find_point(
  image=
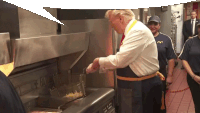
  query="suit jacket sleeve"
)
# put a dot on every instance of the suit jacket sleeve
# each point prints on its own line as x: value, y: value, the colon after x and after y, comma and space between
x: 186, y: 35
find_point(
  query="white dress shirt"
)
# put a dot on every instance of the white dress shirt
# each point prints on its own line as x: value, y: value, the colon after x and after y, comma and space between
x: 193, y: 26
x: 139, y: 51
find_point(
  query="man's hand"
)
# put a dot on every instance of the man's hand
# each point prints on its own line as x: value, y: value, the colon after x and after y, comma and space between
x: 169, y: 79
x: 196, y: 78
x: 90, y: 69
x: 93, y: 66
x: 96, y: 63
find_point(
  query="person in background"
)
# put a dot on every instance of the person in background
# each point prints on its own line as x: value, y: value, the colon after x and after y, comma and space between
x: 190, y: 56
x: 139, y: 87
x: 165, y: 53
x: 190, y: 28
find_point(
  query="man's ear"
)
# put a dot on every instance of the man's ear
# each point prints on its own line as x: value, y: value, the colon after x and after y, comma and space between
x: 159, y: 26
x: 110, y: 14
x: 121, y: 19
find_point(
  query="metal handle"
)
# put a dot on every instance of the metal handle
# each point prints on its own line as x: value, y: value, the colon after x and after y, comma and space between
x: 59, y: 110
x: 83, y: 88
x: 82, y: 81
x: 84, y: 70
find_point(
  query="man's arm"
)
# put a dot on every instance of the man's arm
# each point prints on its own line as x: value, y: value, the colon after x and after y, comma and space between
x: 171, y: 55
x: 171, y: 64
x: 188, y: 68
x: 133, y: 45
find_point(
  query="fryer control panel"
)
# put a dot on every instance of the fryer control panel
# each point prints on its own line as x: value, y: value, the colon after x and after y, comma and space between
x: 108, y: 108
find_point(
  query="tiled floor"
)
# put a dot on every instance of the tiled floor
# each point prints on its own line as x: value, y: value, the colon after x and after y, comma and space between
x: 179, y: 102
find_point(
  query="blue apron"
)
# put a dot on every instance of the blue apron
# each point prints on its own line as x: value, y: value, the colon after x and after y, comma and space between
x: 129, y: 93
x: 133, y: 96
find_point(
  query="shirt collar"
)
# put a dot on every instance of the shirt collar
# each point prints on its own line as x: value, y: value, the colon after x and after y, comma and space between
x: 193, y: 19
x: 158, y: 34
x: 127, y: 27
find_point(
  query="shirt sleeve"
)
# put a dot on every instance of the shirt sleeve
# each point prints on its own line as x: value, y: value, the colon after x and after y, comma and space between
x: 170, y: 50
x: 185, y: 51
x: 132, y: 46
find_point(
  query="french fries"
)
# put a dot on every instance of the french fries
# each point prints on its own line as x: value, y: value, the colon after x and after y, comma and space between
x: 74, y: 95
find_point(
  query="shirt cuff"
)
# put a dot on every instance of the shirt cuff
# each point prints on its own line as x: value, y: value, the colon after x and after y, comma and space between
x: 101, y: 63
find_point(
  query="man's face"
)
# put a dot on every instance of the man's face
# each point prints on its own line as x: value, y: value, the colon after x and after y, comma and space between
x: 193, y: 15
x: 115, y: 22
x: 154, y: 27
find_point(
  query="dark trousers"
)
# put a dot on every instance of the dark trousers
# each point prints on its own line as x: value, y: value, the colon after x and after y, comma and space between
x: 163, y: 71
x: 151, y: 96
x: 195, y: 90
x: 147, y: 100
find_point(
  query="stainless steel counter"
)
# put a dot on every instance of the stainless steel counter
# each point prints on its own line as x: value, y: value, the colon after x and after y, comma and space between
x: 98, y: 101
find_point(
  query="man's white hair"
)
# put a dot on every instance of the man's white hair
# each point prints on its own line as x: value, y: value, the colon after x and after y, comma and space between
x: 127, y: 13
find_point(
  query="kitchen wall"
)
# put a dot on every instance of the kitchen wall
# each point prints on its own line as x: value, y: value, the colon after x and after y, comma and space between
x: 179, y: 22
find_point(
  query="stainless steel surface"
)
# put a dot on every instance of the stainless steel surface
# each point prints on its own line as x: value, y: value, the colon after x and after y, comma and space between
x: 82, y: 76
x: 33, y: 66
x: 44, y: 110
x: 81, y: 55
x: 5, y: 56
x: 30, y: 84
x: 33, y: 25
x: 80, y: 14
x: 52, y: 11
x: 173, y: 30
x: 142, y: 15
x: 116, y: 43
x: 64, y: 90
x: 50, y: 102
x: 100, y: 46
x: 21, y: 23
x: 92, y: 102
x: 32, y: 50
x: 9, y: 19
x: 137, y: 13
x: 83, y: 81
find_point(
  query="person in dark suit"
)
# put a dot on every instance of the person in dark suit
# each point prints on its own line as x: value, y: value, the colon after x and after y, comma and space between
x: 190, y: 26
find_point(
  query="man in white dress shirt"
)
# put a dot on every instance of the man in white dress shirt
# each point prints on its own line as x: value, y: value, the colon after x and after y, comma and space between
x: 139, y: 87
